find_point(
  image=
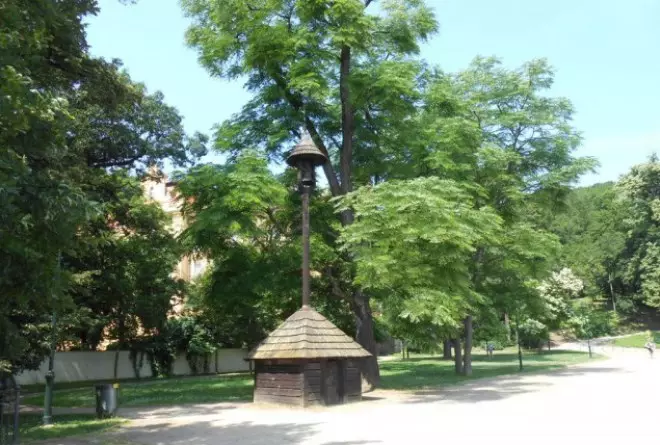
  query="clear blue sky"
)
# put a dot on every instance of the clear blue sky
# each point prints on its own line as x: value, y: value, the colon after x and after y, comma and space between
x: 605, y: 53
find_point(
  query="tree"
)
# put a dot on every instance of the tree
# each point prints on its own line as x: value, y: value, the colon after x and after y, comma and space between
x: 333, y: 68
x: 524, y: 167
x: 593, y: 234
x: 68, y: 122
x: 588, y: 322
x: 557, y: 292
x: 42, y: 204
x: 642, y: 250
x: 246, y: 221
x: 412, y: 241
x: 123, y: 266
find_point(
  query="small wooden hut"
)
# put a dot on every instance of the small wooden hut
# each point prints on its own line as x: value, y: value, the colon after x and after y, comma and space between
x: 307, y: 361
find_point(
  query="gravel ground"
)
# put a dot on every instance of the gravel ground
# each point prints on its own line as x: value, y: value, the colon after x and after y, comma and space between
x: 606, y: 401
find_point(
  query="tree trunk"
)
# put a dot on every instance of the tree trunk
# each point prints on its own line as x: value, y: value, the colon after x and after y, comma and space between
x: 520, y: 357
x: 347, y: 121
x: 467, y: 367
x: 507, y: 323
x: 609, y: 281
x: 364, y: 324
x: 446, y: 350
x: 589, y: 346
x: 458, y: 356
x: 403, y: 349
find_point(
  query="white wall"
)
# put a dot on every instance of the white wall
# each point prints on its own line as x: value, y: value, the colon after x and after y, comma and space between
x: 78, y: 366
x: 226, y: 360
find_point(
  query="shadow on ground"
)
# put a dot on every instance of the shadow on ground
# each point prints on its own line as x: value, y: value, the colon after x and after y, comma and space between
x: 216, y: 433
x: 168, y: 412
x: 499, y: 388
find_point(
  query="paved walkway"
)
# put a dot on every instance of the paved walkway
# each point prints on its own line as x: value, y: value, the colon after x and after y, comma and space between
x: 605, y: 402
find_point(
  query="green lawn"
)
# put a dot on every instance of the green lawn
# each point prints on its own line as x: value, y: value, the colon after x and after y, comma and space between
x: 175, y: 391
x: 416, y: 373
x: 428, y: 372
x: 636, y: 341
x: 32, y: 429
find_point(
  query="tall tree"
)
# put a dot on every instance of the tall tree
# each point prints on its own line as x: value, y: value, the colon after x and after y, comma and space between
x: 122, y: 266
x: 412, y: 241
x: 68, y: 122
x: 340, y: 70
x: 642, y: 251
x: 593, y: 233
x: 42, y: 54
x: 525, y: 165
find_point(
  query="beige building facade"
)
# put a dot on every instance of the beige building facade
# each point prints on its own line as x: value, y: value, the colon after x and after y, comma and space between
x: 158, y: 188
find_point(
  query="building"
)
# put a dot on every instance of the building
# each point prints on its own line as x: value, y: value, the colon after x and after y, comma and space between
x: 158, y: 188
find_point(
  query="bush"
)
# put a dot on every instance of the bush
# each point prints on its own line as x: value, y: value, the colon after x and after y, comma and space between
x: 497, y: 344
x: 588, y: 321
x: 493, y: 331
x: 533, y: 334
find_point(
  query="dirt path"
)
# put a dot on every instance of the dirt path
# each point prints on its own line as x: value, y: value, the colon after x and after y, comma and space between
x: 604, y: 402
x: 601, y: 402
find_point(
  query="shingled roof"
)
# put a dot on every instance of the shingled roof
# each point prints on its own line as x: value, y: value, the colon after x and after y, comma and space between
x: 307, y: 335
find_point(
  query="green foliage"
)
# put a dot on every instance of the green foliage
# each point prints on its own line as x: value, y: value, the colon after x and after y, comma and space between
x: 533, y: 333
x: 412, y: 240
x: 535, y: 131
x: 490, y: 328
x: 74, y: 130
x: 474, y: 152
x: 609, y: 233
x: 290, y: 53
x: 41, y: 203
x: 589, y: 322
x: 642, y: 250
x: 122, y: 269
x: 187, y: 334
x: 593, y: 235
x: 557, y: 292
x: 247, y: 222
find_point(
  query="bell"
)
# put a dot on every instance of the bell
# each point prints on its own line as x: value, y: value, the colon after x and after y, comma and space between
x: 307, y: 177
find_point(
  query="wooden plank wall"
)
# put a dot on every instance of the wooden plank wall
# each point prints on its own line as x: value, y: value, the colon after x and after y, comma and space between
x: 279, y: 383
x: 313, y: 376
x: 353, y: 385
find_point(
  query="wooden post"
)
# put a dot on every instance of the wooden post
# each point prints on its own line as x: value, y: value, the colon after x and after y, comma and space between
x: 305, y: 235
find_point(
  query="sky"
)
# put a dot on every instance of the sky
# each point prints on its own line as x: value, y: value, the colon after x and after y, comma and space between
x: 605, y: 53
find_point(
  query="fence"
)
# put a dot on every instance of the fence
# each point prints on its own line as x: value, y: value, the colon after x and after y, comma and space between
x: 9, y: 410
x: 76, y: 366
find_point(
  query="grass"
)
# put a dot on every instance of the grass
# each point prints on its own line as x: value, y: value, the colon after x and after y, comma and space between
x: 637, y: 340
x: 31, y: 428
x: 416, y: 373
x: 429, y: 372
x: 175, y: 391
x: 39, y: 388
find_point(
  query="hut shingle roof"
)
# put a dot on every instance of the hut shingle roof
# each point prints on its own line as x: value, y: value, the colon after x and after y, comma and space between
x: 306, y: 335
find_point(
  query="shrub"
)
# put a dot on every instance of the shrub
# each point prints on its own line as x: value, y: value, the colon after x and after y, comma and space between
x: 533, y: 333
